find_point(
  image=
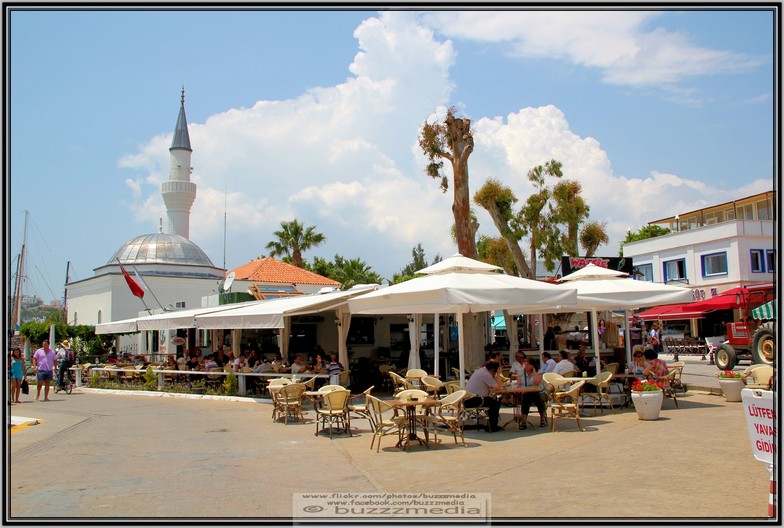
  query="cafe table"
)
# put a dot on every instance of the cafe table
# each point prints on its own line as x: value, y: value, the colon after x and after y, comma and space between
x: 517, y: 396
x: 628, y: 380
x: 410, y: 407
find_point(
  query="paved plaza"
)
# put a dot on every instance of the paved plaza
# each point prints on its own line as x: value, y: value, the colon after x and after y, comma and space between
x: 101, y: 455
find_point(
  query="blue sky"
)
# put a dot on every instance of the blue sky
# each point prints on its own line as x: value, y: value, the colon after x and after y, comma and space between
x: 314, y: 115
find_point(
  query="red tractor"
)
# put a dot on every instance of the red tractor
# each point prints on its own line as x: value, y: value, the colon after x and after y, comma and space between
x: 748, y: 340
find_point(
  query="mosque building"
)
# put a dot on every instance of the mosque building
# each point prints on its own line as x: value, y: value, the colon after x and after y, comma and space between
x: 173, y: 270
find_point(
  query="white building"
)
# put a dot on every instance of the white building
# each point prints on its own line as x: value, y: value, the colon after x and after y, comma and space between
x: 713, y: 249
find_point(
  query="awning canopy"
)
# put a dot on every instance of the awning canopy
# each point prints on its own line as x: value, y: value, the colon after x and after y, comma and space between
x: 270, y: 314
x: 766, y: 311
x: 729, y: 300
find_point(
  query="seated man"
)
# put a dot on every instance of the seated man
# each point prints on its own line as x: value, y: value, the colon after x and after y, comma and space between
x: 581, y: 360
x: 548, y: 363
x: 518, y: 366
x: 531, y: 378
x: 564, y: 365
x: 482, y: 381
x: 298, y: 366
x: 262, y: 366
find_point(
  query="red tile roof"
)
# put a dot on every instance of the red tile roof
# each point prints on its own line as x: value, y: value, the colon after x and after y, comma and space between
x: 270, y: 270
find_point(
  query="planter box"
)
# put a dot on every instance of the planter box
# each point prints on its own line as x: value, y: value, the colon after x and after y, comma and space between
x: 731, y: 388
x: 647, y: 404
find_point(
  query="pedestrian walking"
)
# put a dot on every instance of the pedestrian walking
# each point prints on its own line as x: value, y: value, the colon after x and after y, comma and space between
x: 17, y: 374
x: 44, y: 363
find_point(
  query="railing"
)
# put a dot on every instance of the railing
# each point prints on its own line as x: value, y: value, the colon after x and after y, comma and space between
x: 242, y: 377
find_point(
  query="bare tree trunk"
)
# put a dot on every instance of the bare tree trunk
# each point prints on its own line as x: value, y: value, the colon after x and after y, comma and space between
x: 532, y: 272
x: 511, y: 243
x: 461, y: 142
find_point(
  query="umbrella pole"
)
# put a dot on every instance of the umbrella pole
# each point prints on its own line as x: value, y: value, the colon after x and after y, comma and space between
x: 436, y: 343
x: 595, y: 339
x: 460, y: 348
x: 627, y: 337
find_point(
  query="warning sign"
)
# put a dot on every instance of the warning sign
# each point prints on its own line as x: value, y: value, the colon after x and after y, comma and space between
x: 760, y: 419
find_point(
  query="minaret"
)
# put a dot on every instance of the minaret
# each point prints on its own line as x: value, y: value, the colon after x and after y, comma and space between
x: 179, y: 192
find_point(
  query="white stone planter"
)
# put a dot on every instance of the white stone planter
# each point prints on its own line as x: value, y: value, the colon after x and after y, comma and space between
x: 647, y: 404
x: 731, y: 388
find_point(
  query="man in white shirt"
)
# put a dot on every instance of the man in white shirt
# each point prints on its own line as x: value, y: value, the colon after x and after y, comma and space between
x: 564, y: 365
x: 298, y: 365
x: 483, y: 381
x: 517, y: 369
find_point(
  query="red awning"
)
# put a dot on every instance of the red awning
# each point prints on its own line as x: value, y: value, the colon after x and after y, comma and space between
x: 672, y: 312
x: 728, y: 300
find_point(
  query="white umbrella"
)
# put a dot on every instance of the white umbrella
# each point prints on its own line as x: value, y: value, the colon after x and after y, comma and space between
x: 462, y: 292
x: 602, y: 288
x: 458, y: 262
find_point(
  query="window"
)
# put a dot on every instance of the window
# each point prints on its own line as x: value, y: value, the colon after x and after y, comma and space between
x: 361, y: 331
x: 644, y: 272
x: 100, y: 313
x: 714, y: 264
x: 675, y: 270
x: 746, y: 212
x: 771, y: 254
x: 730, y: 214
x: 763, y: 210
x: 757, y: 264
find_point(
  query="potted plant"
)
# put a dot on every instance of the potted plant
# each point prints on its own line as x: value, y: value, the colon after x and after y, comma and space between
x: 647, y: 397
x: 199, y: 386
x: 731, y: 384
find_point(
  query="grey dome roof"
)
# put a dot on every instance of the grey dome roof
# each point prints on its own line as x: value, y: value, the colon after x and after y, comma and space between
x: 160, y: 248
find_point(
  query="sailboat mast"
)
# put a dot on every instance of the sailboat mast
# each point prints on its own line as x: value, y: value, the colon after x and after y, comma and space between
x: 65, y: 294
x: 17, y: 313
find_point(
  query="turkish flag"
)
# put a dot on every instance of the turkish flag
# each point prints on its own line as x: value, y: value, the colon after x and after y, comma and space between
x: 136, y: 290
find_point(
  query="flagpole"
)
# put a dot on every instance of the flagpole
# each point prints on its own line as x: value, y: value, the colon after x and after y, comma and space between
x: 147, y: 286
x: 136, y: 290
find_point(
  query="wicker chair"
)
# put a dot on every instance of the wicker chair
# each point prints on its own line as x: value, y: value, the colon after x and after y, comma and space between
x: 432, y: 385
x: 669, y: 388
x: 566, y: 404
x: 386, y: 422
x: 450, y: 414
x: 400, y: 383
x: 290, y: 401
x: 361, y: 409
x: 334, y: 411
x: 601, y: 392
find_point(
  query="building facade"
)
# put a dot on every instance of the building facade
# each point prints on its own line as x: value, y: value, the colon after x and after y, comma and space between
x: 714, y: 249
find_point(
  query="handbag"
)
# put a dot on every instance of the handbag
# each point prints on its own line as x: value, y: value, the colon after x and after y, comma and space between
x: 25, y: 387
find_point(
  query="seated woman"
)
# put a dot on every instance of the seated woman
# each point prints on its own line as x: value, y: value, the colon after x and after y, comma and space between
x: 656, y: 368
x: 171, y: 363
x: 638, y: 362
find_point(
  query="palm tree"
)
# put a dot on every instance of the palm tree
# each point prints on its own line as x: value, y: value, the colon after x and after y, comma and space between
x: 292, y: 239
x: 350, y: 272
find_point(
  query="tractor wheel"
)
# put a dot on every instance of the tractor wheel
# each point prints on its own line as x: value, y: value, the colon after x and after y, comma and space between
x: 725, y: 357
x: 763, y: 344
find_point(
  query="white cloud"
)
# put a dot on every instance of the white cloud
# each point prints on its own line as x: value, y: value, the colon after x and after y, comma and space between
x: 345, y: 159
x: 617, y: 43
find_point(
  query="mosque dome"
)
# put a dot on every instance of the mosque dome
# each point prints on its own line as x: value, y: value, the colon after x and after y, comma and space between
x: 160, y: 248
